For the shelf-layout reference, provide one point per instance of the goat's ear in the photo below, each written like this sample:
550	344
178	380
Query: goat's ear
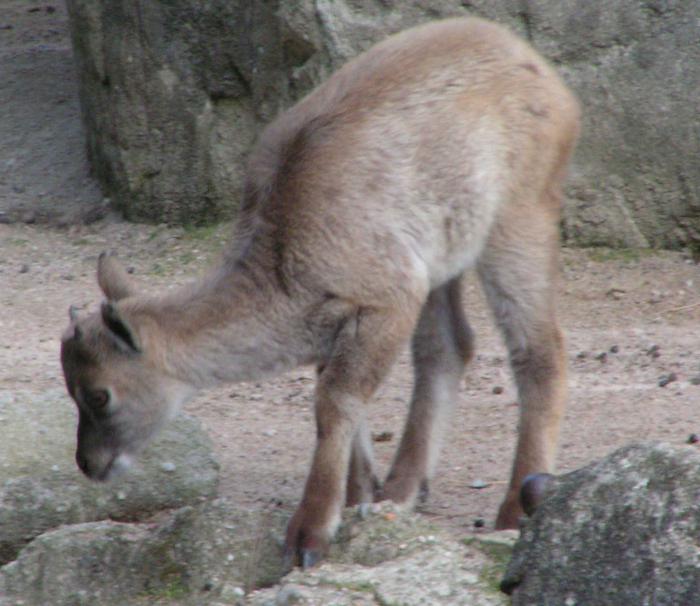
123	334
113	279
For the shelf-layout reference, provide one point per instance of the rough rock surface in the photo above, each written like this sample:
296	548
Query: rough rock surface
196	553
621	531
173	95
41	487
215	553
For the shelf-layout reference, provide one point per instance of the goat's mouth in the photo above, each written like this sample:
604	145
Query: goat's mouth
114	467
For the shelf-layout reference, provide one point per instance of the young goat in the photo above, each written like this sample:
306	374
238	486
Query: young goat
442	149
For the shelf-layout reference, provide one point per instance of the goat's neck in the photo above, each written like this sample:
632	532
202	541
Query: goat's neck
231	326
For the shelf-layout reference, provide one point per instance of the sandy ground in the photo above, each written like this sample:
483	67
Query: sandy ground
630	317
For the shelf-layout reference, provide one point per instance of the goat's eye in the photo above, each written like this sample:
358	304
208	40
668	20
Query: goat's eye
98	399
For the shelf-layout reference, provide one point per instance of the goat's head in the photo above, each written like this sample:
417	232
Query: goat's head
113	364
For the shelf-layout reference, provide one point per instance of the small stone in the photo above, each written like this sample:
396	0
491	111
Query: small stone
695	380
602	356
581	355
693	438
270	433
288	595
479	523
383	436
654	351
666	379
497	390
615	349
616	293
168	466
230	593
29	217
478	484
24	268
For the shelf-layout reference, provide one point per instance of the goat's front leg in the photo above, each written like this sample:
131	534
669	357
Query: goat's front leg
363	353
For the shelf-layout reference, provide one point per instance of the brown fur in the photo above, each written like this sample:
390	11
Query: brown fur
440	150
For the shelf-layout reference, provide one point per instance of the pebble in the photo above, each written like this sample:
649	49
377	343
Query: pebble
615	349
602	356
230	593
616	293
24	268
384	436
167	466
497	390
478	484
693	438
666	379
654	351
479	523
288	595
695	380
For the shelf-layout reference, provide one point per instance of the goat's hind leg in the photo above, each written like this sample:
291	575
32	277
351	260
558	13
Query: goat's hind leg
442	345
519	277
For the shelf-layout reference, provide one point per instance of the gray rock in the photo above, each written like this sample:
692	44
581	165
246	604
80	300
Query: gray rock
173	95
195	555
41	487
391	558
621	531
216	553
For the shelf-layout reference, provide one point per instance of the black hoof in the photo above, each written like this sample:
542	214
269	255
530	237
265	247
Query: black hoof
532	491
508	585
310	557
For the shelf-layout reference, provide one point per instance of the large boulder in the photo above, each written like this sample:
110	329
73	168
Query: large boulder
174	93
621	531
195	553
41	487
215	553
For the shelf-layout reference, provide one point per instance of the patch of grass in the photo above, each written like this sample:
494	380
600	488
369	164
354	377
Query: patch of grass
491	574
361	586
187	257
18	242
200	233
602	254
80	242
154	234
694	250
158	270
173	590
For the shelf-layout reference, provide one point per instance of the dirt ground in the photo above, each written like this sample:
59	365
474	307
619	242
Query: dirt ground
630	316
